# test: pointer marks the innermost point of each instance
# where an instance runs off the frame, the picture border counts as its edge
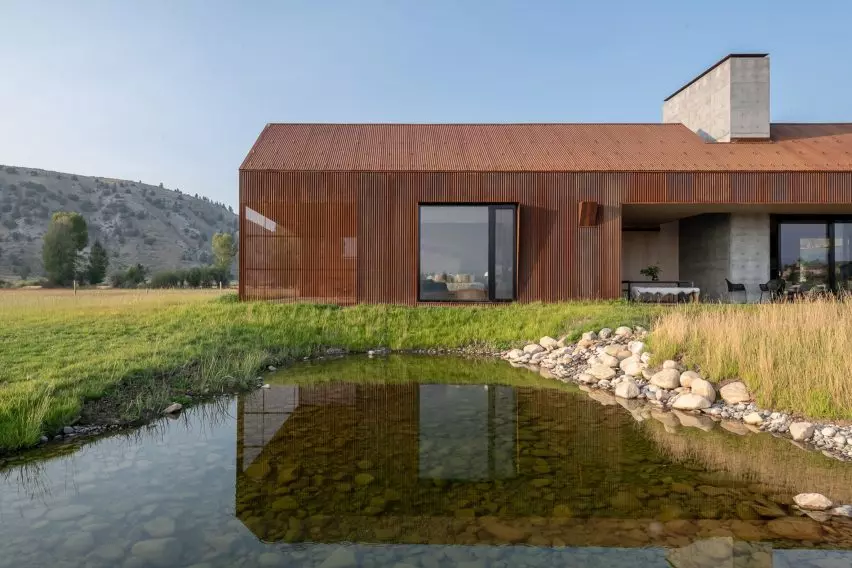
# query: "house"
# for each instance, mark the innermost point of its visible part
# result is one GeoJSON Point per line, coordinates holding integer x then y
{"type": "Point", "coordinates": [420, 213]}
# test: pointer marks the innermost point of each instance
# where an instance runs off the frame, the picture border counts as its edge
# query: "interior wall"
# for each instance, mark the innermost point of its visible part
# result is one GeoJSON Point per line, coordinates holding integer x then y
{"type": "Point", "coordinates": [640, 249]}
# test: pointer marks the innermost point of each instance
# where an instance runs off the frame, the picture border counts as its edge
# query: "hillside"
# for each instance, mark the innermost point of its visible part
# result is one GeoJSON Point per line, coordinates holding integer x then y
{"type": "Point", "coordinates": [137, 223]}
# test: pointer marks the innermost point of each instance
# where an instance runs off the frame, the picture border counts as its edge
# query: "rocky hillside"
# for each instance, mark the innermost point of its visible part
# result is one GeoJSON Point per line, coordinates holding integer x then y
{"type": "Point", "coordinates": [137, 223]}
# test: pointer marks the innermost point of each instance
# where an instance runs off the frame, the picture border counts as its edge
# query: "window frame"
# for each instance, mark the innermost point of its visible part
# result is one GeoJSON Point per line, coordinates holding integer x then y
{"type": "Point", "coordinates": [492, 208]}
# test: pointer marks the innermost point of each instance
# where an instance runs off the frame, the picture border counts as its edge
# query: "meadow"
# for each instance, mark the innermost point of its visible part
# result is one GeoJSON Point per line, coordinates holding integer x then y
{"type": "Point", "coordinates": [123, 355]}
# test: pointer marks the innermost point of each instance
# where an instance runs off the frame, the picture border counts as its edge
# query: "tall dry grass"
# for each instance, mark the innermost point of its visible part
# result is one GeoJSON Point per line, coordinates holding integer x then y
{"type": "Point", "coordinates": [794, 356]}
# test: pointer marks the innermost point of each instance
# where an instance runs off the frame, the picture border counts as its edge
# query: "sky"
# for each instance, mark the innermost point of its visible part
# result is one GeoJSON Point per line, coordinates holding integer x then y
{"type": "Point", "coordinates": [176, 91]}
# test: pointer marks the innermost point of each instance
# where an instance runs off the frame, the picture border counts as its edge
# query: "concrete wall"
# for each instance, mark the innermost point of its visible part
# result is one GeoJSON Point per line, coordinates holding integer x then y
{"type": "Point", "coordinates": [704, 254]}
{"type": "Point", "coordinates": [730, 101]}
{"type": "Point", "coordinates": [640, 249]}
{"type": "Point", "coordinates": [749, 251]}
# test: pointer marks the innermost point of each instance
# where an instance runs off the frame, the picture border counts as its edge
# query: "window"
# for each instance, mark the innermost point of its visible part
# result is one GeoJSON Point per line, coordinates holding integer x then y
{"type": "Point", "coordinates": [467, 253]}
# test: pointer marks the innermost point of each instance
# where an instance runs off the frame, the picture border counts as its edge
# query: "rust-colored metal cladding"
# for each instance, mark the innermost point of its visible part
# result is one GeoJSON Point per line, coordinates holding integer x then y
{"type": "Point", "coordinates": [330, 212]}
{"type": "Point", "coordinates": [588, 213]}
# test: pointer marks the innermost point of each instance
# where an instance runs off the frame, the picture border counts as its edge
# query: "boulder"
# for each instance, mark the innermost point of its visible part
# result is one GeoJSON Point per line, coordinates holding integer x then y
{"type": "Point", "coordinates": [612, 349]}
{"type": "Point", "coordinates": [828, 432]}
{"type": "Point", "coordinates": [590, 336]}
{"type": "Point", "coordinates": [691, 401]}
{"type": "Point", "coordinates": [687, 377]}
{"type": "Point", "coordinates": [667, 379]}
{"type": "Point", "coordinates": [631, 367]}
{"type": "Point", "coordinates": [735, 392]}
{"type": "Point", "coordinates": [173, 408]}
{"type": "Point", "coordinates": [623, 331]}
{"type": "Point", "coordinates": [623, 354]}
{"type": "Point", "coordinates": [608, 360]}
{"type": "Point", "coordinates": [636, 347]}
{"type": "Point", "coordinates": [703, 388]}
{"type": "Point", "coordinates": [601, 372]}
{"type": "Point", "coordinates": [801, 431]}
{"type": "Point", "coordinates": [669, 364]}
{"type": "Point", "coordinates": [533, 348]}
{"type": "Point", "coordinates": [548, 342]}
{"type": "Point", "coordinates": [753, 418]}
{"type": "Point", "coordinates": [646, 357]}
{"type": "Point", "coordinates": [514, 354]}
{"type": "Point", "coordinates": [586, 378]}
{"type": "Point", "coordinates": [627, 389]}
{"type": "Point", "coordinates": [812, 501]}
{"type": "Point", "coordinates": [605, 333]}
{"type": "Point", "coordinates": [795, 528]}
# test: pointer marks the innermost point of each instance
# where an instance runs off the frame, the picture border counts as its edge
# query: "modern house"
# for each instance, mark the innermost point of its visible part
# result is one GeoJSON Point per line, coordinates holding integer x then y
{"type": "Point", "coordinates": [419, 213]}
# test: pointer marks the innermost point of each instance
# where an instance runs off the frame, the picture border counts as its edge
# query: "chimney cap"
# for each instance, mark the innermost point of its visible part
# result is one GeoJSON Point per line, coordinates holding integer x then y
{"type": "Point", "coordinates": [729, 56]}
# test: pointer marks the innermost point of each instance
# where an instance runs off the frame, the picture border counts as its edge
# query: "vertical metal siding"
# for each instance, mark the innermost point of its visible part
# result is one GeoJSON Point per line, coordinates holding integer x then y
{"type": "Point", "coordinates": [349, 237]}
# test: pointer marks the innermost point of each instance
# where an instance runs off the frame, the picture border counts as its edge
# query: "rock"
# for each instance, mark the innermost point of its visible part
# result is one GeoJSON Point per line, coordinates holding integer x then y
{"type": "Point", "coordinates": [612, 349]}
{"type": "Point", "coordinates": [715, 551]}
{"type": "Point", "coordinates": [590, 336]}
{"type": "Point", "coordinates": [667, 418]}
{"type": "Point", "coordinates": [562, 511]}
{"type": "Point", "coordinates": [687, 377]}
{"type": "Point", "coordinates": [812, 501]}
{"type": "Point", "coordinates": [503, 532]}
{"type": "Point", "coordinates": [605, 333]}
{"type": "Point", "coordinates": [703, 388]}
{"type": "Point", "coordinates": [601, 372]}
{"type": "Point", "coordinates": [795, 528]}
{"type": "Point", "coordinates": [735, 392]}
{"type": "Point", "coordinates": [691, 401]}
{"type": "Point", "coordinates": [623, 354]}
{"type": "Point", "coordinates": [608, 360]}
{"type": "Point", "coordinates": [667, 379]}
{"type": "Point", "coordinates": [533, 348]}
{"type": "Point", "coordinates": [160, 527]}
{"type": "Point", "coordinates": [735, 427]}
{"type": "Point", "coordinates": [828, 432]}
{"type": "Point", "coordinates": [623, 331]}
{"type": "Point", "coordinates": [342, 557]}
{"type": "Point", "coordinates": [78, 544]}
{"type": "Point", "coordinates": [753, 418]}
{"type": "Point", "coordinates": [68, 512]}
{"type": "Point", "coordinates": [514, 354]}
{"type": "Point", "coordinates": [627, 389]}
{"type": "Point", "coordinates": [694, 420]}
{"type": "Point", "coordinates": [646, 357]}
{"type": "Point", "coordinates": [68, 430]}
{"type": "Point", "coordinates": [669, 364]}
{"type": "Point", "coordinates": [801, 431]}
{"type": "Point", "coordinates": [842, 511]}
{"type": "Point", "coordinates": [839, 441]}
{"type": "Point", "coordinates": [636, 347]}
{"type": "Point", "coordinates": [631, 367]}
{"type": "Point", "coordinates": [586, 378]}
{"type": "Point", "coordinates": [173, 407]}
{"type": "Point", "coordinates": [158, 551]}
{"type": "Point", "coordinates": [548, 342]}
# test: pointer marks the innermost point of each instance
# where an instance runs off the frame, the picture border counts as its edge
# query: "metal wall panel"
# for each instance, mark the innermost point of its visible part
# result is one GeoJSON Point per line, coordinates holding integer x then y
{"type": "Point", "coordinates": [349, 237]}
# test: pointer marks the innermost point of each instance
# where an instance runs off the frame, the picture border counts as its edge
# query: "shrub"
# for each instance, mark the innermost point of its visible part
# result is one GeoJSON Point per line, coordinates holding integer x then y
{"type": "Point", "coordinates": [168, 279]}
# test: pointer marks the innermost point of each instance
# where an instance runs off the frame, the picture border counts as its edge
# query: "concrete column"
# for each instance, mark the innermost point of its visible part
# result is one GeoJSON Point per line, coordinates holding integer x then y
{"type": "Point", "coordinates": [749, 251]}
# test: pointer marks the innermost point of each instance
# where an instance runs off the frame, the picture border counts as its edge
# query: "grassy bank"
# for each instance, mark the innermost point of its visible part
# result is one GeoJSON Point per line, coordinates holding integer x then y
{"type": "Point", "coordinates": [795, 357]}
{"type": "Point", "coordinates": [136, 351]}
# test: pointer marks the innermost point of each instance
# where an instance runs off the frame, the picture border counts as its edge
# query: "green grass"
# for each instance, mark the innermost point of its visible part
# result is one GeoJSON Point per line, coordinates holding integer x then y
{"type": "Point", "coordinates": [137, 351]}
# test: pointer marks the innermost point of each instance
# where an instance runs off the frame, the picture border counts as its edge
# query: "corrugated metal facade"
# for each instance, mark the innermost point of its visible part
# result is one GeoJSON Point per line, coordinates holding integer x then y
{"type": "Point", "coordinates": [348, 237]}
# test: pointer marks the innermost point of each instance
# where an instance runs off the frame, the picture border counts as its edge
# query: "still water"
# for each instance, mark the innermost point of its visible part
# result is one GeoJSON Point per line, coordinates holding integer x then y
{"type": "Point", "coordinates": [405, 462]}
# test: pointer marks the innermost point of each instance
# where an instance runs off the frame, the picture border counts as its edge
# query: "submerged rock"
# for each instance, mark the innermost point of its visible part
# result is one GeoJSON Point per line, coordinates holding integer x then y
{"type": "Point", "coordinates": [158, 551]}
{"type": "Point", "coordinates": [795, 528]}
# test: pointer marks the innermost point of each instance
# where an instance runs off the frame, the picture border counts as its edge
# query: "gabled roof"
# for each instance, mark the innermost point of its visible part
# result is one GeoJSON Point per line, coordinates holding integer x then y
{"type": "Point", "coordinates": [543, 148]}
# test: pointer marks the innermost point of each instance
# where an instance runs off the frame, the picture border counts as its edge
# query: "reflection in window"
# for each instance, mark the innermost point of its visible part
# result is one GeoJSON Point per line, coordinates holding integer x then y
{"type": "Point", "coordinates": [843, 256]}
{"type": "Point", "coordinates": [464, 247]}
{"type": "Point", "coordinates": [803, 255]}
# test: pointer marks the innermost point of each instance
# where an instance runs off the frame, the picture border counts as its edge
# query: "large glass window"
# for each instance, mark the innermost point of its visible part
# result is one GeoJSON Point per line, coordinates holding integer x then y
{"type": "Point", "coordinates": [467, 253]}
{"type": "Point", "coordinates": [803, 253]}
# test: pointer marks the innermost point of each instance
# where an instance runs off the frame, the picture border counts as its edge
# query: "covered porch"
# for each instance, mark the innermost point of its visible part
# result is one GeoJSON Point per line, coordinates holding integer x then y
{"type": "Point", "coordinates": [707, 246]}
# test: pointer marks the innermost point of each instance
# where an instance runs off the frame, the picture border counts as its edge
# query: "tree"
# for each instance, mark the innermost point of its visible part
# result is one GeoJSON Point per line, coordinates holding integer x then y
{"type": "Point", "coordinates": [98, 263]}
{"type": "Point", "coordinates": [224, 249]}
{"type": "Point", "coordinates": [79, 229]}
{"type": "Point", "coordinates": [59, 252]}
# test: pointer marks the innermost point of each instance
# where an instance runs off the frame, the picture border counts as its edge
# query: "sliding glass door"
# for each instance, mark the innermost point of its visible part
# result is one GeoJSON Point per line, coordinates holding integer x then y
{"type": "Point", "coordinates": [815, 254]}
{"type": "Point", "coordinates": [467, 253]}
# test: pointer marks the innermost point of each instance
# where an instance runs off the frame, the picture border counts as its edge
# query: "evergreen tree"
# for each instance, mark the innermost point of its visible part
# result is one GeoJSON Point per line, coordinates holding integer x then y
{"type": "Point", "coordinates": [98, 263]}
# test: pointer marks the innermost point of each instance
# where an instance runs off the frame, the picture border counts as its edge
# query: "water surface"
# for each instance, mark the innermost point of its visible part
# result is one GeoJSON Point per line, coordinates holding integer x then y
{"type": "Point", "coordinates": [411, 461]}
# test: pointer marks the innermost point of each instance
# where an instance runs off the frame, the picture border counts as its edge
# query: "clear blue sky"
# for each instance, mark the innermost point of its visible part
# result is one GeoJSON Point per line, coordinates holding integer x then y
{"type": "Point", "coordinates": [177, 90]}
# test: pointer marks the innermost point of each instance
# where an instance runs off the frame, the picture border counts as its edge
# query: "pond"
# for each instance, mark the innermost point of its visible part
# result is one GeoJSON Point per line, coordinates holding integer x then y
{"type": "Point", "coordinates": [413, 461]}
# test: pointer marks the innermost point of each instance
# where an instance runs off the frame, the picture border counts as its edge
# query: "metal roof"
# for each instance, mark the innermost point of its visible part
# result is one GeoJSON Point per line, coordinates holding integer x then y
{"type": "Point", "coordinates": [543, 148]}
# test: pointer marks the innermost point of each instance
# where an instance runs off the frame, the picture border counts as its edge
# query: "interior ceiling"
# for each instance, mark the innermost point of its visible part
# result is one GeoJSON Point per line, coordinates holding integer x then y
{"type": "Point", "coordinates": [652, 216]}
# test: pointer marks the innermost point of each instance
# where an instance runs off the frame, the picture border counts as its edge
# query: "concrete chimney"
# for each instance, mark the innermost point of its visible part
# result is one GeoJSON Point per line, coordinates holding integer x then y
{"type": "Point", "coordinates": [726, 103]}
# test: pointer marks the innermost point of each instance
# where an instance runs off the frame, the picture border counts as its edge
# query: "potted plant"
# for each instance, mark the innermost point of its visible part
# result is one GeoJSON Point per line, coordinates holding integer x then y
{"type": "Point", "coordinates": [652, 272]}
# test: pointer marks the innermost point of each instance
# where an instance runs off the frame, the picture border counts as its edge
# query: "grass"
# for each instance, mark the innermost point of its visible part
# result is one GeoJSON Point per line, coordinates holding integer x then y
{"type": "Point", "coordinates": [795, 357]}
{"type": "Point", "coordinates": [135, 351]}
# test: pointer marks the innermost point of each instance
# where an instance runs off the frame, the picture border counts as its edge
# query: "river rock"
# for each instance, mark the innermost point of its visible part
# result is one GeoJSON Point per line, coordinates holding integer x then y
{"type": "Point", "coordinates": [735, 392]}
{"type": "Point", "coordinates": [548, 342]}
{"type": "Point", "coordinates": [667, 379]}
{"type": "Point", "coordinates": [79, 544]}
{"type": "Point", "coordinates": [627, 389]}
{"type": "Point", "coordinates": [703, 388]}
{"type": "Point", "coordinates": [812, 501]}
{"type": "Point", "coordinates": [503, 532]}
{"type": "Point", "coordinates": [608, 360]}
{"type": "Point", "coordinates": [173, 407]}
{"type": "Point", "coordinates": [612, 349]}
{"type": "Point", "coordinates": [631, 367]}
{"type": "Point", "coordinates": [687, 377]}
{"type": "Point", "coordinates": [623, 331]}
{"type": "Point", "coordinates": [601, 372]}
{"type": "Point", "coordinates": [67, 513]}
{"type": "Point", "coordinates": [669, 364]}
{"type": "Point", "coordinates": [828, 432]}
{"type": "Point", "coordinates": [586, 378]}
{"type": "Point", "coordinates": [513, 354]}
{"type": "Point", "coordinates": [158, 551]}
{"type": "Point", "coordinates": [753, 418]}
{"type": "Point", "coordinates": [842, 511]}
{"type": "Point", "coordinates": [801, 431]}
{"type": "Point", "coordinates": [636, 347]}
{"type": "Point", "coordinates": [605, 333]}
{"type": "Point", "coordinates": [590, 336]}
{"type": "Point", "coordinates": [795, 528]}
{"type": "Point", "coordinates": [533, 348]}
{"type": "Point", "coordinates": [691, 401]}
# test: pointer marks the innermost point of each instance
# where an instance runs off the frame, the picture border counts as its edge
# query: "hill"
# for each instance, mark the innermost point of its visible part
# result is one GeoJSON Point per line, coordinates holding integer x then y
{"type": "Point", "coordinates": [137, 223]}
